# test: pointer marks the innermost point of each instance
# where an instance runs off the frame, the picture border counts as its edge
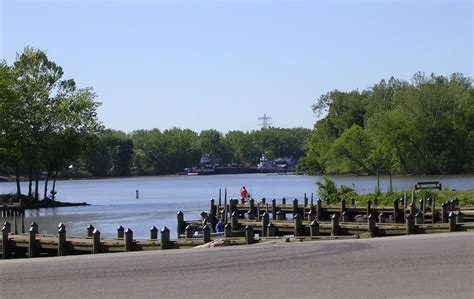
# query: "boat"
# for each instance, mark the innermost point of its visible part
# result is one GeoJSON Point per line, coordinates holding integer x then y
{"type": "Point", "coordinates": [265, 165]}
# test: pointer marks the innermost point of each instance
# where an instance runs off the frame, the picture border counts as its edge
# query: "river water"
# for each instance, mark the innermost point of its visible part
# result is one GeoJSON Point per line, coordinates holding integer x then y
{"type": "Point", "coordinates": [113, 201]}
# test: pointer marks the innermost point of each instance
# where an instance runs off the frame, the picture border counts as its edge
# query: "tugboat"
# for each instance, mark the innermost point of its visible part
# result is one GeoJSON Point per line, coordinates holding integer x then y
{"type": "Point", "coordinates": [266, 165]}
{"type": "Point", "coordinates": [206, 166]}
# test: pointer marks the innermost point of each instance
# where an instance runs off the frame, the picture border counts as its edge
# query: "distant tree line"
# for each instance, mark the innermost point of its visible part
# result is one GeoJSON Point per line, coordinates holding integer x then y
{"type": "Point", "coordinates": [425, 126]}
{"type": "Point", "coordinates": [155, 152]}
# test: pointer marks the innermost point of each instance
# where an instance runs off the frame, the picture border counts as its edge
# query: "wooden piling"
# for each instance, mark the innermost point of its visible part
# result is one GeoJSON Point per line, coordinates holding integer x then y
{"type": "Point", "coordinates": [452, 222]}
{"type": "Point", "coordinates": [382, 218]}
{"type": "Point", "coordinates": [120, 232]}
{"type": "Point", "coordinates": [188, 232]}
{"type": "Point", "coordinates": [412, 208]}
{"type": "Point", "coordinates": [165, 238]}
{"type": "Point", "coordinates": [265, 222]}
{"type": "Point", "coordinates": [334, 225]}
{"type": "Point", "coordinates": [180, 225]}
{"type": "Point", "coordinates": [343, 206]}
{"type": "Point", "coordinates": [344, 217]}
{"type": "Point", "coordinates": [7, 226]}
{"type": "Point", "coordinates": [295, 207]}
{"type": "Point", "coordinates": [5, 243]}
{"type": "Point", "coordinates": [153, 233]}
{"type": "Point", "coordinates": [444, 212]}
{"type": "Point", "coordinates": [32, 242]}
{"type": "Point", "coordinates": [459, 217]}
{"type": "Point", "coordinates": [22, 223]}
{"type": "Point", "coordinates": [248, 234]}
{"type": "Point", "coordinates": [433, 211]}
{"type": "Point", "coordinates": [298, 225]}
{"type": "Point", "coordinates": [395, 210]}
{"type": "Point", "coordinates": [419, 218]}
{"type": "Point", "coordinates": [283, 201]}
{"type": "Point", "coordinates": [61, 240]}
{"type": "Point", "coordinates": [235, 221]}
{"type": "Point", "coordinates": [227, 231]}
{"type": "Point", "coordinates": [274, 210]}
{"type": "Point", "coordinates": [220, 198]}
{"type": "Point", "coordinates": [95, 241]}
{"type": "Point", "coordinates": [369, 204]}
{"type": "Point", "coordinates": [319, 208]}
{"type": "Point", "coordinates": [206, 233]}
{"type": "Point", "coordinates": [305, 200]}
{"type": "Point", "coordinates": [35, 228]}
{"type": "Point", "coordinates": [271, 230]}
{"type": "Point", "coordinates": [314, 228]}
{"type": "Point", "coordinates": [410, 224]}
{"type": "Point", "coordinates": [371, 221]}
{"type": "Point", "coordinates": [128, 242]}
{"type": "Point", "coordinates": [90, 230]}
{"type": "Point", "coordinates": [15, 224]}
{"type": "Point", "coordinates": [280, 215]}
{"type": "Point", "coordinates": [311, 215]}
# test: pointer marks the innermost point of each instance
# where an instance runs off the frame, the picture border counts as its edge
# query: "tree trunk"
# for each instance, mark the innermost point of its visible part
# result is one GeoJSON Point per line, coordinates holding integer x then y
{"type": "Point", "coordinates": [37, 187]}
{"type": "Point", "coordinates": [30, 182]}
{"type": "Point", "coordinates": [17, 177]}
{"type": "Point", "coordinates": [53, 191]}
{"type": "Point", "coordinates": [45, 196]}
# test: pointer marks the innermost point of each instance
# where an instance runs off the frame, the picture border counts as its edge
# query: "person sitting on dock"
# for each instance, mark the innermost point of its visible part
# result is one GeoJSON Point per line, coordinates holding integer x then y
{"type": "Point", "coordinates": [243, 194]}
{"type": "Point", "coordinates": [220, 226]}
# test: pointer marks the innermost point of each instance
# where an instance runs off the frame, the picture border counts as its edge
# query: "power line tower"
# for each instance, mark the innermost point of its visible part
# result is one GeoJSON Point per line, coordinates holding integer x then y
{"type": "Point", "coordinates": [265, 121]}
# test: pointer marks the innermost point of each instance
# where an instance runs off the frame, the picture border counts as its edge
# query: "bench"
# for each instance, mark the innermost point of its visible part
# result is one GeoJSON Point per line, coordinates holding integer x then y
{"type": "Point", "coordinates": [428, 185]}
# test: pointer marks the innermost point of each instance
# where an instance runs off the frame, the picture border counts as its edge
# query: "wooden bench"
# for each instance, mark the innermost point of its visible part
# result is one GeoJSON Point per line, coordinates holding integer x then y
{"type": "Point", "coordinates": [428, 185]}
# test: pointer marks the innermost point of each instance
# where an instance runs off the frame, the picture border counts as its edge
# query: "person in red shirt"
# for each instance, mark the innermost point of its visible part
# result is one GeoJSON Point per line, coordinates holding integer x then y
{"type": "Point", "coordinates": [243, 194]}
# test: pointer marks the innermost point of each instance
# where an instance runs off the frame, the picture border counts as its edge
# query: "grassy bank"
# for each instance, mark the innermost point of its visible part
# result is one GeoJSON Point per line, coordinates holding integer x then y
{"type": "Point", "coordinates": [30, 203]}
{"type": "Point", "coordinates": [466, 197]}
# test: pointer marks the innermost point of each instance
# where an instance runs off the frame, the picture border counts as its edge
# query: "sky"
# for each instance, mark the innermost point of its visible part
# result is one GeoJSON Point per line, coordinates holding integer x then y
{"type": "Point", "coordinates": [223, 64]}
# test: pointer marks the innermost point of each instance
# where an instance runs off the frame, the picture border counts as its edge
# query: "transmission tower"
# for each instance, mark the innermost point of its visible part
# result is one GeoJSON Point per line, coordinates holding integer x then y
{"type": "Point", "coordinates": [265, 121]}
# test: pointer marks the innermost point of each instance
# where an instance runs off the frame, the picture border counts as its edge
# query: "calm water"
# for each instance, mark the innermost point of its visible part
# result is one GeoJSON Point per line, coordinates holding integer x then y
{"type": "Point", "coordinates": [113, 201]}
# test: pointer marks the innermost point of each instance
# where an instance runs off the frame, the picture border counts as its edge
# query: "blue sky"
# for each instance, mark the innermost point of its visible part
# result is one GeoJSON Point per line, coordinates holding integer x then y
{"type": "Point", "coordinates": [222, 64]}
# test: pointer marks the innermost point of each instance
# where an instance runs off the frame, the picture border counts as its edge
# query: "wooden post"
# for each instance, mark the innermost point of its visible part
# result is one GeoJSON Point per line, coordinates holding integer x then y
{"type": "Point", "coordinates": [271, 230]}
{"type": "Point", "coordinates": [250, 215]}
{"type": "Point", "coordinates": [231, 207]}
{"type": "Point", "coordinates": [5, 243]}
{"type": "Point", "coordinates": [433, 211]}
{"type": "Point", "coordinates": [61, 240]}
{"type": "Point", "coordinates": [344, 217]}
{"type": "Point", "coordinates": [213, 207]}
{"type": "Point", "coordinates": [382, 218]}
{"type": "Point", "coordinates": [311, 215]}
{"type": "Point", "coordinates": [249, 234]}
{"type": "Point", "coordinates": [298, 225]}
{"type": "Point", "coordinates": [153, 233]}
{"type": "Point", "coordinates": [459, 217]}
{"type": "Point", "coordinates": [280, 215]}
{"type": "Point", "coordinates": [90, 230]}
{"type": "Point", "coordinates": [369, 204]}
{"type": "Point", "coordinates": [412, 208]}
{"type": "Point", "coordinates": [274, 210]}
{"type": "Point", "coordinates": [265, 222]}
{"type": "Point", "coordinates": [23, 222]}
{"type": "Point", "coordinates": [295, 207]}
{"type": "Point", "coordinates": [319, 208]}
{"type": "Point", "coordinates": [225, 195]}
{"type": "Point", "coordinates": [188, 232]}
{"type": "Point", "coordinates": [305, 200]}
{"type": "Point", "coordinates": [395, 210]}
{"type": "Point", "coordinates": [7, 226]}
{"type": "Point", "coordinates": [252, 205]}
{"type": "Point", "coordinates": [15, 225]}
{"type": "Point", "coordinates": [419, 218]}
{"type": "Point", "coordinates": [128, 241]}
{"type": "Point", "coordinates": [235, 221]}
{"type": "Point", "coordinates": [120, 232]}
{"type": "Point", "coordinates": [226, 210]}
{"type": "Point", "coordinates": [165, 238]}
{"type": "Point", "coordinates": [227, 231]}
{"type": "Point", "coordinates": [32, 242]}
{"type": "Point", "coordinates": [312, 200]}
{"type": "Point", "coordinates": [334, 225]}
{"type": "Point", "coordinates": [181, 224]}
{"type": "Point", "coordinates": [452, 222]}
{"type": "Point", "coordinates": [343, 206]}
{"type": "Point", "coordinates": [34, 226]}
{"type": "Point", "coordinates": [220, 198]}
{"type": "Point", "coordinates": [410, 224]}
{"type": "Point", "coordinates": [258, 212]}
{"type": "Point", "coordinates": [314, 228]}
{"type": "Point", "coordinates": [263, 200]}
{"type": "Point", "coordinates": [422, 205]}
{"type": "Point", "coordinates": [283, 201]}
{"type": "Point", "coordinates": [96, 241]}
{"type": "Point", "coordinates": [206, 233]}
{"type": "Point", "coordinates": [444, 212]}
{"type": "Point", "coordinates": [371, 221]}
{"type": "Point", "coordinates": [405, 204]}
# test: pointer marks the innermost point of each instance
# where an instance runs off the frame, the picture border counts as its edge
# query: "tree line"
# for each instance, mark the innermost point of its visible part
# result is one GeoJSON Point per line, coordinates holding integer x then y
{"type": "Point", "coordinates": [155, 152]}
{"type": "Point", "coordinates": [425, 126]}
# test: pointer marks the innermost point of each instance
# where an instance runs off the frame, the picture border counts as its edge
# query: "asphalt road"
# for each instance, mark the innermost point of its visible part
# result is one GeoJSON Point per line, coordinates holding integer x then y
{"type": "Point", "coordinates": [429, 266]}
